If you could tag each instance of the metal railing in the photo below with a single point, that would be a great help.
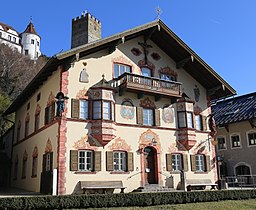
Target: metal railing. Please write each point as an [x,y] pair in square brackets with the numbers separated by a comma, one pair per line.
[241,181]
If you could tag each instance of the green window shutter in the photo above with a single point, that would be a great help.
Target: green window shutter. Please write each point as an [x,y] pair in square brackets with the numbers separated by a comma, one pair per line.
[75,108]
[157,117]
[204,123]
[73,160]
[193,162]
[139,115]
[208,163]
[110,161]
[169,162]
[44,163]
[185,162]
[46,116]
[97,161]
[130,165]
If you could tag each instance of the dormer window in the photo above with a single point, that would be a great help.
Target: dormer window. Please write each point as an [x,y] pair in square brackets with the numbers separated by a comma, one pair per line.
[32,41]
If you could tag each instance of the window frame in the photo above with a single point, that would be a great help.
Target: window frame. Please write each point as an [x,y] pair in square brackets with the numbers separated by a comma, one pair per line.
[232,136]
[85,112]
[120,161]
[119,73]
[200,163]
[222,146]
[86,163]
[148,69]
[150,121]
[24,168]
[49,113]
[34,166]
[177,162]
[37,121]
[253,133]
[199,126]
[186,123]
[26,130]
[100,115]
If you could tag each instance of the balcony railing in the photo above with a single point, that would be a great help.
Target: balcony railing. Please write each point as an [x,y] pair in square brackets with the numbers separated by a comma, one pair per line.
[140,83]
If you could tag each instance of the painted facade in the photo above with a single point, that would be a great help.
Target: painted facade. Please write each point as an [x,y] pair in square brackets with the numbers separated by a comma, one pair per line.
[132,127]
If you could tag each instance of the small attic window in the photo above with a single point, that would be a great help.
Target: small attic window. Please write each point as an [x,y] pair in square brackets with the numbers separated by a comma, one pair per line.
[232,112]
[250,98]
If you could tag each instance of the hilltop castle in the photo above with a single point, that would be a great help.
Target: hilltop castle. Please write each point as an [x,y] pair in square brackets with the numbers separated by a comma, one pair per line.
[27,43]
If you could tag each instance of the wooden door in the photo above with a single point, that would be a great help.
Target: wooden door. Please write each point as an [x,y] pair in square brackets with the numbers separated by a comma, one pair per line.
[150,165]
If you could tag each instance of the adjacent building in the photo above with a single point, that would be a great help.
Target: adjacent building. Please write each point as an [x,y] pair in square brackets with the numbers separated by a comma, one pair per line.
[27,43]
[236,135]
[131,108]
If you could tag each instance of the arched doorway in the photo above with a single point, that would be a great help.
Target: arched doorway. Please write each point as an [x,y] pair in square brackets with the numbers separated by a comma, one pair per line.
[150,164]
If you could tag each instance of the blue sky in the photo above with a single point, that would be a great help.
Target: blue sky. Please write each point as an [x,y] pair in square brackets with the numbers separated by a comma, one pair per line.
[221,32]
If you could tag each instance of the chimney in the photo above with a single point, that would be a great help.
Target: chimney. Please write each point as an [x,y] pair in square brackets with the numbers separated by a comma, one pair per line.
[85,29]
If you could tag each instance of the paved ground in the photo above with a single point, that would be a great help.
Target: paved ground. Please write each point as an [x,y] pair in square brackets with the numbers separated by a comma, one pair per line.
[13,192]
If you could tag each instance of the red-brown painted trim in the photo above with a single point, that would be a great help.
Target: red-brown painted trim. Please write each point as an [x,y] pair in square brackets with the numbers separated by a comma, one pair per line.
[62,137]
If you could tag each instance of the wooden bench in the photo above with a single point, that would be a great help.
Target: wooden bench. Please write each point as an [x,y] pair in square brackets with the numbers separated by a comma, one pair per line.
[101,186]
[199,184]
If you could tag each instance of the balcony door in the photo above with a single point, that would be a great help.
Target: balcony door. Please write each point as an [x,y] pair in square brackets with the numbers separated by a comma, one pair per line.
[145,71]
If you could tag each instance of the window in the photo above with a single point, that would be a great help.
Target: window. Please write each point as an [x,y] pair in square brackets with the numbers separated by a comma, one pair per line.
[37,119]
[48,161]
[83,113]
[49,113]
[185,120]
[120,161]
[14,39]
[0,34]
[16,168]
[26,128]
[252,138]
[221,143]
[103,110]
[167,77]
[37,43]
[32,41]
[119,69]
[200,163]
[38,97]
[235,141]
[145,71]
[85,162]
[26,52]
[148,117]
[34,166]
[24,168]
[18,131]
[9,37]
[28,106]
[176,162]
[198,121]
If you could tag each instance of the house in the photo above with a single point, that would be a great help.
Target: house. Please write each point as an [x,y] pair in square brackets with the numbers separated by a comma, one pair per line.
[27,43]
[126,111]
[236,135]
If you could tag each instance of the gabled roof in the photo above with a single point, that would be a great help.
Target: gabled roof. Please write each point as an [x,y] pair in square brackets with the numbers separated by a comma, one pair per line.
[162,36]
[6,27]
[30,29]
[242,108]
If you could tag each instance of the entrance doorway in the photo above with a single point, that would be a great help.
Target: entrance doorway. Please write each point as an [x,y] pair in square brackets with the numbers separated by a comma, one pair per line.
[150,163]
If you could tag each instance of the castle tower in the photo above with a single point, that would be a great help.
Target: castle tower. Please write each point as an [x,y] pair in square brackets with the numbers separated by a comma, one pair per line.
[85,29]
[30,41]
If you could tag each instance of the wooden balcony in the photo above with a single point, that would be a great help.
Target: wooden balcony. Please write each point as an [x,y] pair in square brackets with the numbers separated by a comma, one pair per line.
[147,85]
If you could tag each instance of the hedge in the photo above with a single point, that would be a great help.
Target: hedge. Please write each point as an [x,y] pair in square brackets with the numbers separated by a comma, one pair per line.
[118,200]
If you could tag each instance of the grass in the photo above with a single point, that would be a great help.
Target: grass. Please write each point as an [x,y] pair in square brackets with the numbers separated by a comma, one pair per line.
[221,205]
